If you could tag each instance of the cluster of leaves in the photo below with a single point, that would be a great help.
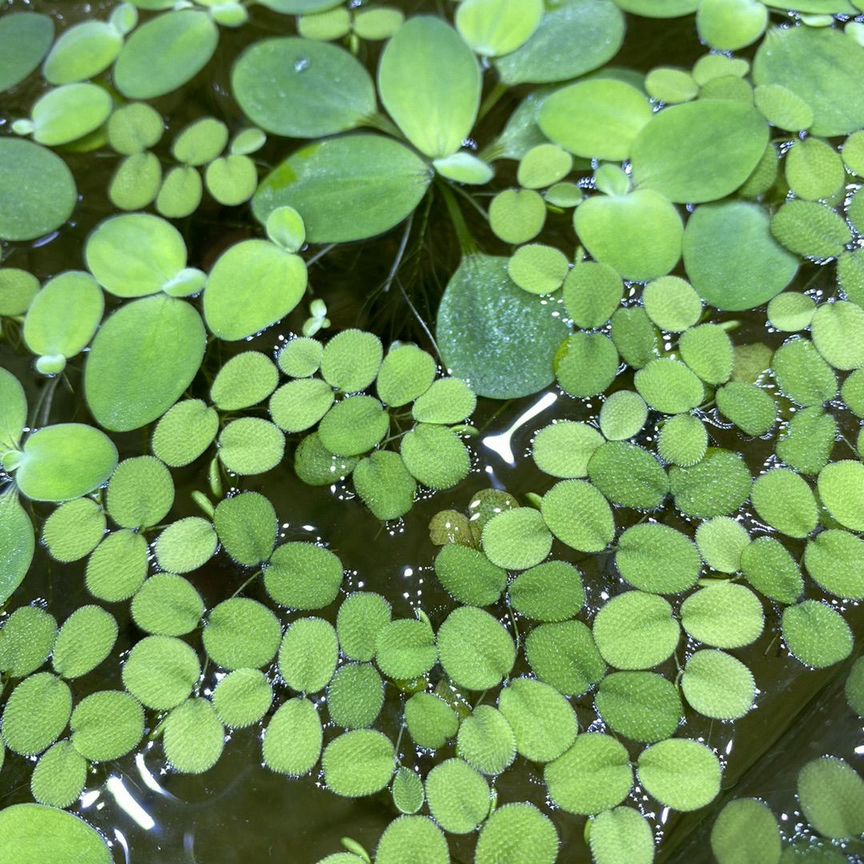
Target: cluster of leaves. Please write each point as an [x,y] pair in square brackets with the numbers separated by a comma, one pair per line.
[767,157]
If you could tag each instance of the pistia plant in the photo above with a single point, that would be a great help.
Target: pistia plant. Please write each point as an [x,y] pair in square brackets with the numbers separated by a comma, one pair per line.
[669,253]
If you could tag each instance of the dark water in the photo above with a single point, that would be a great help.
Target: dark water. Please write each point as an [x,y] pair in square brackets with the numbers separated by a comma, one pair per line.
[239,811]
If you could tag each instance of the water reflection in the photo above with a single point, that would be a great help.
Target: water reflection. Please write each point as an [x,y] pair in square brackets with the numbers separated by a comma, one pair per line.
[128,804]
[501,443]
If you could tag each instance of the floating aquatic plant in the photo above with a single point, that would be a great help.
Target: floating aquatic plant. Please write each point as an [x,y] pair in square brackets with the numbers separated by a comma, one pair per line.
[614,229]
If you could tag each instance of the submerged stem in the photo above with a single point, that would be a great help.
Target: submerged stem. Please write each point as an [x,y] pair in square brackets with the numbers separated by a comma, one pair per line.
[467,243]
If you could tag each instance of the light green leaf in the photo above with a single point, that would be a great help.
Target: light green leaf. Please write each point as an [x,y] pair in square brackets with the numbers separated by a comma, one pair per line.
[180,193]
[458,796]
[193,737]
[623,415]
[573,38]
[670,154]
[658,559]
[835,560]
[613,230]
[134,128]
[161,671]
[68,113]
[551,591]
[586,364]
[308,654]
[251,445]
[17,544]
[474,649]
[142,359]
[746,830]
[816,634]
[62,318]
[838,331]
[242,698]
[300,404]
[635,630]
[135,255]
[358,763]
[542,720]
[300,357]
[186,545]
[164,53]
[578,515]
[355,696]
[430,84]
[25,38]
[716,486]
[118,566]
[141,492]
[596,119]
[592,776]
[448,400]
[292,740]
[717,685]
[517,539]
[498,338]
[724,276]
[680,773]
[818,65]
[36,713]
[430,720]
[724,615]
[39,834]
[628,475]
[642,706]
[37,190]
[468,575]
[82,52]
[322,88]
[273,282]
[64,461]
[351,360]
[416,838]
[496,27]
[486,741]
[831,793]
[621,836]
[435,456]
[241,634]
[842,493]
[565,656]
[60,776]
[245,380]
[184,432]
[85,640]
[592,293]
[405,648]
[167,605]
[17,290]
[783,499]
[407,791]
[107,725]
[385,485]
[303,576]
[667,385]
[771,570]
[246,525]
[26,640]
[346,188]
[517,833]
[564,449]
[671,303]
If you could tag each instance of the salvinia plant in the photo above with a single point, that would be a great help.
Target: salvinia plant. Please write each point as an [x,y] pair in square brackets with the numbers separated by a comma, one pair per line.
[670,255]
